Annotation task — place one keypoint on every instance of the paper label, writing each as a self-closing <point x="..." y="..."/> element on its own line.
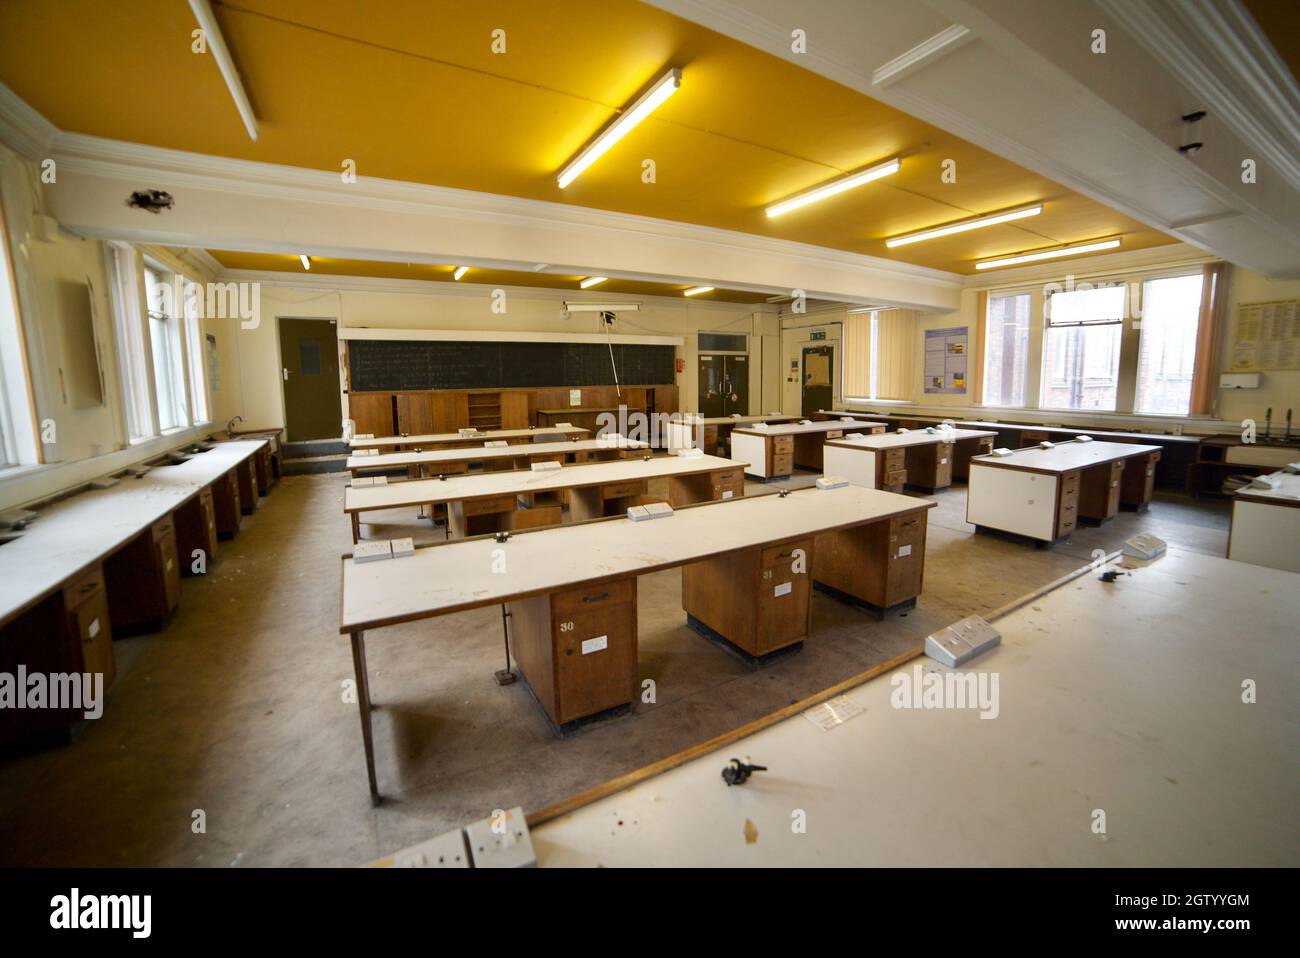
<point x="904" y="551"/>
<point x="94" y="628"/>
<point x="728" y="494"/>
<point x="784" y="589"/>
<point x="943" y="462"/>
<point x="575" y="397"/>
<point x="835" y="712"/>
<point x="595" y="645"/>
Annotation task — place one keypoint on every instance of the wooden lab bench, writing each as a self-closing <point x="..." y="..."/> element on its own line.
<point x="450" y="461"/>
<point x="100" y="563"/>
<point x="1265" y="526"/>
<point x="1043" y="493"/>
<point x="923" y="460"/>
<point x="494" y="501"/>
<point x="571" y="590"/>
<point x="711" y="433"/>
<point x="454" y="440"/>
<point x="773" y="451"/>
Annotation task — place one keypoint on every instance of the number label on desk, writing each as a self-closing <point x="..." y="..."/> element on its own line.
<point x="904" y="551"/>
<point x="566" y="626"/>
<point x="595" y="645"/>
<point x="785" y="588"/>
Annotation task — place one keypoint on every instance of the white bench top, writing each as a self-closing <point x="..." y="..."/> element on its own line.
<point x="799" y="428"/>
<point x="915" y="437"/>
<point x="688" y="419"/>
<point x="414" y="492"/>
<point x="69" y="535"/>
<point x="1100" y="695"/>
<point x="487" y="453"/>
<point x="1065" y="456"/>
<point x="459" y="575"/>
<point x="1286" y="494"/>
<point x="440" y="438"/>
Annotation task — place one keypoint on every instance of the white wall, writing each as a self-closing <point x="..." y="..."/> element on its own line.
<point x="354" y="303"/>
<point x="1278" y="388"/>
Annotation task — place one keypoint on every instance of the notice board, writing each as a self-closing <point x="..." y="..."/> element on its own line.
<point x="945" y="359"/>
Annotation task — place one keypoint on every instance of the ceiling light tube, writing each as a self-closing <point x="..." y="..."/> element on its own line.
<point x="833" y="187"/>
<point x="1048" y="254"/>
<point x="696" y="290"/>
<point x="591" y="281"/>
<point x="601" y="307"/>
<point x="460" y="271"/>
<point x="646" y="104"/>
<point x="306" y="263"/>
<point x="217" y="44"/>
<point x="961" y="226"/>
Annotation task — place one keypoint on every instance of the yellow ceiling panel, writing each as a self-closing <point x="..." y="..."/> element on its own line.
<point x="475" y="277"/>
<point x="411" y="90"/>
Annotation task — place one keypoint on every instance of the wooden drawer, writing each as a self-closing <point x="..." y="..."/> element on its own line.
<point x="782" y="445"/>
<point x="906" y="530"/>
<point x="621" y="490"/>
<point x="835" y="434"/>
<point x="576" y="601"/>
<point x="783" y="465"/>
<point x="895" y="478"/>
<point x="894" y="459"/>
<point x="783" y="554"/>
<point x="488" y="505"/>
<point x="729" y="484"/>
<point x="83" y="587"/>
<point x="163" y="528"/>
<point x="1070" y="483"/>
<point x="169" y="567"/>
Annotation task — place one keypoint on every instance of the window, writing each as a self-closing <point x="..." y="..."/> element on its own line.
<point x="194" y="353"/>
<point x="165" y="340"/>
<point x="1171" y="309"/>
<point x="131" y="358"/>
<point x="1006" y="350"/>
<point x="1081" y="349"/>
<point x="878" y="354"/>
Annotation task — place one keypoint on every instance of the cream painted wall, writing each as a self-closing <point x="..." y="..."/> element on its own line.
<point x="1278" y="388"/>
<point x="428" y="306"/>
<point x="796" y="333"/>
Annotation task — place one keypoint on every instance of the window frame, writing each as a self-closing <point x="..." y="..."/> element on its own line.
<point x="984" y="350"/>
<point x="172" y="350"/>
<point x="1049" y="379"/>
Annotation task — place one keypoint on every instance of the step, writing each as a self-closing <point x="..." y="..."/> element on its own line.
<point x="314" y="448"/>
<point x="307" y="465"/>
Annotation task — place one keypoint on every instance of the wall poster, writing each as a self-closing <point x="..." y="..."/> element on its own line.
<point x="945" y="359"/>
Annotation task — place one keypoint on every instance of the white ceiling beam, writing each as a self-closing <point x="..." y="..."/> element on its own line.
<point x="921" y="55"/>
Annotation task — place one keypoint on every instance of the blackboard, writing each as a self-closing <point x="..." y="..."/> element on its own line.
<point x="398" y="365"/>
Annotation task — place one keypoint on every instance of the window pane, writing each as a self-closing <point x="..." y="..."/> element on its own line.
<point x="1006" y="350"/>
<point x="1087" y="305"/>
<point x="1171" y="311"/>
<point x="194" y="353"/>
<point x="1081" y="367"/>
<point x="164" y="333"/>
<point x="132" y="362"/>
<point x="309" y="357"/>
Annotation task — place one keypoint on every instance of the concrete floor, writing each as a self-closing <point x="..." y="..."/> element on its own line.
<point x="236" y="709"/>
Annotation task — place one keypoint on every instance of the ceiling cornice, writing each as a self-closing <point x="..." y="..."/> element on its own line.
<point x="22" y="128"/>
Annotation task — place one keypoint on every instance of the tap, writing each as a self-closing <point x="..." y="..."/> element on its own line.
<point x="1268" y="422"/>
<point x="230" y="426"/>
<point x="1288" y="425"/>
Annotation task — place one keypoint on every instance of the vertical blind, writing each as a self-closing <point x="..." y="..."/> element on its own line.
<point x="882" y="343"/>
<point x="857" y="355"/>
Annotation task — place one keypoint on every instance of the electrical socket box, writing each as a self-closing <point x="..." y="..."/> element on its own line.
<point x="831" y="482"/>
<point x="445" y="851"/>
<point x="501" y="841"/>
<point x="1144" y="546"/>
<point x="1239" y="381"/>
<point x="962" y="641"/>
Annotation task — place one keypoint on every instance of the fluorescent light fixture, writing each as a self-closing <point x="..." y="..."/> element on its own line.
<point x="591" y="281"/>
<point x="1048" y="254"/>
<point x="646" y="104"/>
<point x="221" y="53"/>
<point x="834" y="187"/>
<point x="306" y="263"/>
<point x="602" y="307"/>
<point x="696" y="290"/>
<point x="962" y="226"/>
<point x="460" y="271"/>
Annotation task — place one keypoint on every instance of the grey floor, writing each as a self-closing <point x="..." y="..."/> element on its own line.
<point x="236" y="710"/>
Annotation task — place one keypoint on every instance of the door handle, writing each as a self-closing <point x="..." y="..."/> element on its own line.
<point x="286" y="374"/>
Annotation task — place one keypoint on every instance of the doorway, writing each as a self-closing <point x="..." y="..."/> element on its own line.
<point x="309" y="354"/>
<point x="723" y="384"/>
<point x="818" y="383"/>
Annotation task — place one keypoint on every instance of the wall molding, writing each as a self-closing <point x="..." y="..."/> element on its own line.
<point x="25" y="130"/>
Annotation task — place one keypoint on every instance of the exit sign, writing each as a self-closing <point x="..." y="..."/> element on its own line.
<point x="819" y="334"/>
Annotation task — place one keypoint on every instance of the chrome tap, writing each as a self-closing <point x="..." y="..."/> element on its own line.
<point x="230" y="426"/>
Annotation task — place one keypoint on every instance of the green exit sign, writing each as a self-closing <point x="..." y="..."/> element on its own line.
<point x="819" y="334"/>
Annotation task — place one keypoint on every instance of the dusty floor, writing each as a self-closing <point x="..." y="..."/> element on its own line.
<point x="236" y="709"/>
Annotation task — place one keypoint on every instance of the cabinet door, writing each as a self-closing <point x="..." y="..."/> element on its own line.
<point x="372" y="413"/>
<point x="783" y="595"/>
<point x="164" y="537"/>
<point x="595" y="659"/>
<point x="91" y="626"/>
<point x="514" y="409"/>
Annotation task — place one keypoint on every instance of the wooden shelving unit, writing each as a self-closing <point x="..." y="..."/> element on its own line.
<point x="485" y="410"/>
